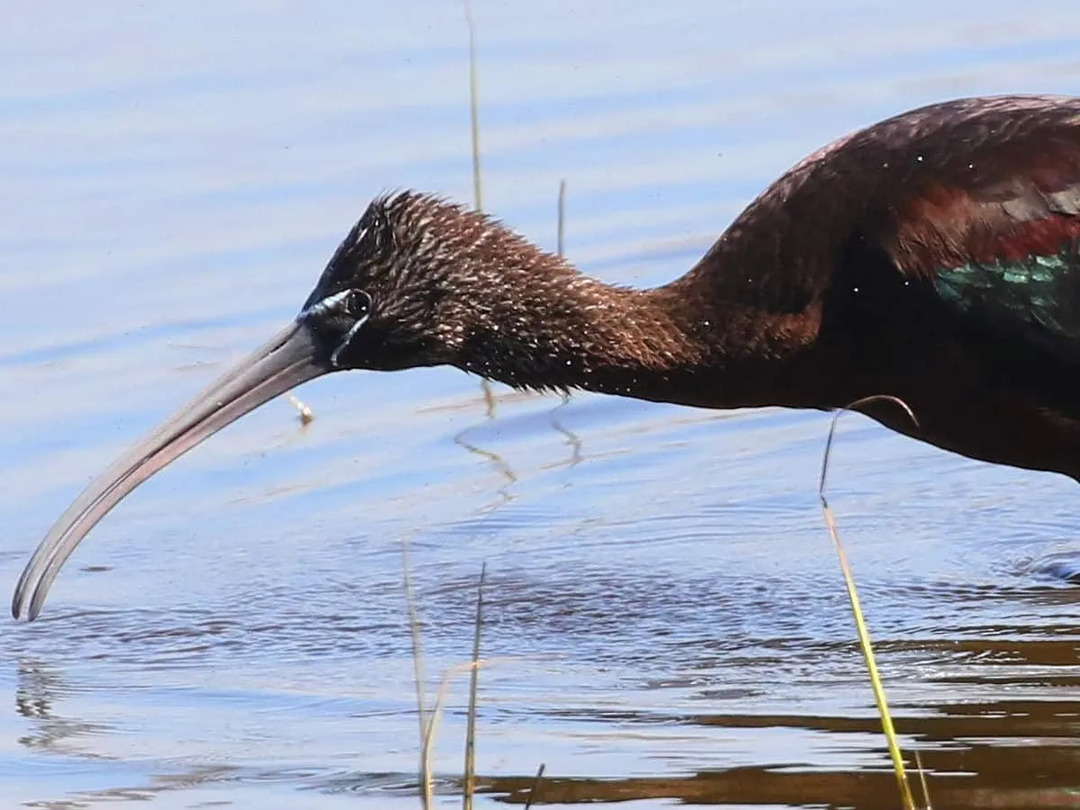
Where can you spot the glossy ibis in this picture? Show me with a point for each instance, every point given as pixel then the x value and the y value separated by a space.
pixel 932 256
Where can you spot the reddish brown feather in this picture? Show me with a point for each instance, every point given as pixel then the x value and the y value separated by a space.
pixel 926 186
pixel 947 227
pixel 1002 200
pixel 1044 237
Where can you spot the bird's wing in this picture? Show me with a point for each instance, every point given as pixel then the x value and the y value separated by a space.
pixel 972 193
pixel 997 234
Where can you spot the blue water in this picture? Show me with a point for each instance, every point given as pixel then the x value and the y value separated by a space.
pixel 664 606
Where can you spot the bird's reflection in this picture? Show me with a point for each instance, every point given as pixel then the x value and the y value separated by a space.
pixel 39 689
pixel 37 686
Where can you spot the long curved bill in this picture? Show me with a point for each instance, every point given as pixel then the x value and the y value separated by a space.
pixel 290 358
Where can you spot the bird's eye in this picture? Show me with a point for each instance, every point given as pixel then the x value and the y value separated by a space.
pixel 357 304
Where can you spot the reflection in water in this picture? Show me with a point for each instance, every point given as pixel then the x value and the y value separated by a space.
pixel 677 589
pixel 783 786
pixel 39 687
pixel 1062 566
pixel 504 470
pixel 1015 748
pixel 198 777
pixel 572 439
pixel 1001 754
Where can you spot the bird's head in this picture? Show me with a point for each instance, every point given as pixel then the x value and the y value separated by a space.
pixel 401 291
pixel 396 292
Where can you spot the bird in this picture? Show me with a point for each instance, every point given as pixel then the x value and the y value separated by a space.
pixel 933 257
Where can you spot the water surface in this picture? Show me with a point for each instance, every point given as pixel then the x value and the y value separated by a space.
pixel 664 608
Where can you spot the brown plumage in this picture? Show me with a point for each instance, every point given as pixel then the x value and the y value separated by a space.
pixel 932 256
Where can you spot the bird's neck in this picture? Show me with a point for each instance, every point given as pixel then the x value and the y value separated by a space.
pixel 559 329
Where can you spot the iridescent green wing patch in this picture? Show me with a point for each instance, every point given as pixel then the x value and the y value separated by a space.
pixel 1037 295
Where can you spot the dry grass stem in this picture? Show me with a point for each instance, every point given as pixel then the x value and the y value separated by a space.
pixel 560 218
pixel 426 786
pixel 428 739
pixel 477 174
pixel 535 786
pixel 474 105
pixel 436 708
pixel 470 729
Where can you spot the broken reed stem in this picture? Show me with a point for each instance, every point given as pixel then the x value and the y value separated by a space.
pixel 470 728
pixel 489 398
pixel 560 217
pixel 426 784
pixel 436 712
pixel 436 709
pixel 535 786
pixel 307 416
pixel 429 721
pixel 856 609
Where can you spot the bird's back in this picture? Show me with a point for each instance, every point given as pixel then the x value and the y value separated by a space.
pixel 932 256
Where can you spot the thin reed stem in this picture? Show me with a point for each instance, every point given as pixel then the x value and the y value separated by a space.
pixel 856 609
pixel 427 789
pixel 470 729
pixel 560 227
